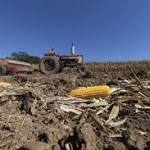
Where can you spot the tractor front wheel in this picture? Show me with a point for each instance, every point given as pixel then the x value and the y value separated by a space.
pixel 81 69
pixel 49 65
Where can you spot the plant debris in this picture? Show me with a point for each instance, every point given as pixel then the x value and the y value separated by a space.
pixel 37 113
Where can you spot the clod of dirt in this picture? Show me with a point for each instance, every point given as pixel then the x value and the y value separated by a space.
pixel 147 146
pixel 108 147
pixel 43 137
pixel 24 148
pixel 26 102
pixel 74 141
pixel 126 140
pixel 135 141
pixel 88 136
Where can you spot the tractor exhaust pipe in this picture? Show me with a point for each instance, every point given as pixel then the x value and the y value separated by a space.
pixel 72 49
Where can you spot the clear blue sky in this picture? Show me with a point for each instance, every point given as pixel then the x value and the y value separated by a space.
pixel 101 29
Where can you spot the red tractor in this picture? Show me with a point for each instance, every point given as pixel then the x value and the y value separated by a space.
pixel 53 63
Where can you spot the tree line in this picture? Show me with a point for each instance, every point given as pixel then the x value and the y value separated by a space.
pixel 25 57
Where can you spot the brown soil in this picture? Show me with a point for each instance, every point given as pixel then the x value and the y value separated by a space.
pixel 42 126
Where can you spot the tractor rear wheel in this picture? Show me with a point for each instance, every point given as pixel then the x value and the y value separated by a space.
pixel 2 70
pixel 81 69
pixel 49 65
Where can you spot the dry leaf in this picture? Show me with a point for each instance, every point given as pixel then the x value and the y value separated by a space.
pixel 142 107
pixel 118 123
pixel 113 89
pixel 142 133
pixel 113 114
pixel 70 109
pixel 115 135
pixel 104 109
pixel 96 104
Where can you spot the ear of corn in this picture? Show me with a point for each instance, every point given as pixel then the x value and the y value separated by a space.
pixel 91 92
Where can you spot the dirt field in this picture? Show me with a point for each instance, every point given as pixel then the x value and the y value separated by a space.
pixel 37 113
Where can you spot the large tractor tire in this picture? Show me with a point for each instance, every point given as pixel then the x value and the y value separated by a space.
pixel 49 65
pixel 2 70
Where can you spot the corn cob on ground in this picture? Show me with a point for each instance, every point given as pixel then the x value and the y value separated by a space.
pixel 89 92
